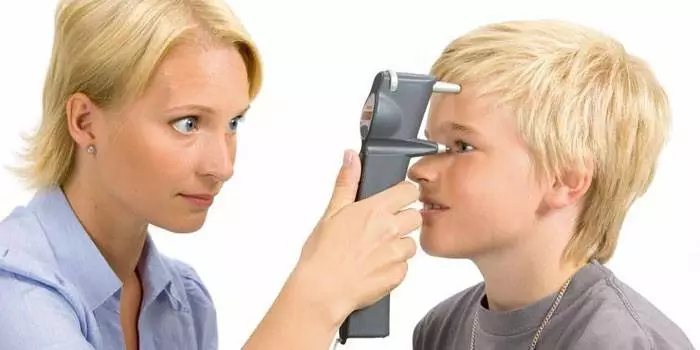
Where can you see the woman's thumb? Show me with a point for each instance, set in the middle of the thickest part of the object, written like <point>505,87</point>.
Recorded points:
<point>346,183</point>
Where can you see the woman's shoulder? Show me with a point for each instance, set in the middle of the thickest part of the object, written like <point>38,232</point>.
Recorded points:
<point>31,234</point>
<point>24,247</point>
<point>36,296</point>
<point>36,239</point>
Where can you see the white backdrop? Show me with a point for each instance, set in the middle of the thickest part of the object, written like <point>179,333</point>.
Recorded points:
<point>319,63</point>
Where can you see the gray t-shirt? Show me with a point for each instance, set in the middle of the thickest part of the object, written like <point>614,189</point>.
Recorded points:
<point>598,312</point>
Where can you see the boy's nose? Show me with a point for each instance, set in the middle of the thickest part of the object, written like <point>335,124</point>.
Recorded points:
<point>421,171</point>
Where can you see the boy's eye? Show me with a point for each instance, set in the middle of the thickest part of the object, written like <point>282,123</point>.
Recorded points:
<point>461,147</point>
<point>185,125</point>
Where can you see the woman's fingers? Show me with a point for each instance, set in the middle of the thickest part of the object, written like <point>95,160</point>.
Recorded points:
<point>407,221</point>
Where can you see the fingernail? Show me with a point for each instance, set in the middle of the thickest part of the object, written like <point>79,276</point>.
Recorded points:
<point>347,158</point>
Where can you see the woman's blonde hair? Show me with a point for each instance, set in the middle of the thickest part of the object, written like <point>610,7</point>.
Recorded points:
<point>108,50</point>
<point>578,97</point>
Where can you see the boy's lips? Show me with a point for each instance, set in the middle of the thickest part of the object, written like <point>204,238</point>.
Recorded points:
<point>431,204</point>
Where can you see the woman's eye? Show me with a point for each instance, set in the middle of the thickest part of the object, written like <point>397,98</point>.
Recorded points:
<point>233,123</point>
<point>185,125</point>
<point>461,147</point>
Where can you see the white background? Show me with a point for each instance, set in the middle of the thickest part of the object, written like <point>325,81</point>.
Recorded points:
<point>319,63</point>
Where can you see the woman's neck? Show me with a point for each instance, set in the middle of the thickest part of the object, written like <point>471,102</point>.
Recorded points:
<point>116,232</point>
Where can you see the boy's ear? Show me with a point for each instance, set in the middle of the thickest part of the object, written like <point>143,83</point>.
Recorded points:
<point>81,113</point>
<point>570,187</point>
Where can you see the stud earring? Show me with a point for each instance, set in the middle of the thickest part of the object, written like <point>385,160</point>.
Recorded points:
<point>91,149</point>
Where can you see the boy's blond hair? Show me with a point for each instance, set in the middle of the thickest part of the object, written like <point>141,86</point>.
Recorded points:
<point>578,96</point>
<point>109,49</point>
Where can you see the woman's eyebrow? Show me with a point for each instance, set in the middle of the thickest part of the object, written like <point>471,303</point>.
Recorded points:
<point>196,107</point>
<point>204,109</point>
<point>244,110</point>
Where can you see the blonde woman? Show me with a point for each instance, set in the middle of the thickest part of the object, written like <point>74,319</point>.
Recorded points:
<point>141,108</point>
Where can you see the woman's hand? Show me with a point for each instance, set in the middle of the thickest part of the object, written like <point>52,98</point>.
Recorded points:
<point>358,252</point>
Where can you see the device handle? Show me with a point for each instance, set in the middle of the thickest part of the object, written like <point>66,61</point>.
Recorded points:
<point>379,172</point>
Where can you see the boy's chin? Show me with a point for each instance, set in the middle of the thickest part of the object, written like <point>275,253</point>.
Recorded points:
<point>444,246</point>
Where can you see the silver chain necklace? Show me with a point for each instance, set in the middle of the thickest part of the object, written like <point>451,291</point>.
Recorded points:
<point>536,338</point>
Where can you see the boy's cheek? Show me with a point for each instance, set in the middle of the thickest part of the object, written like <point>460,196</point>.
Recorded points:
<point>457,235</point>
<point>491,202</point>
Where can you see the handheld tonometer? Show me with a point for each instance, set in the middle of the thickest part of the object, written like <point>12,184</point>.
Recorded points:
<point>391,118</point>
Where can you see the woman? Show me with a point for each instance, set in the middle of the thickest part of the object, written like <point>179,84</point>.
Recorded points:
<point>142,104</point>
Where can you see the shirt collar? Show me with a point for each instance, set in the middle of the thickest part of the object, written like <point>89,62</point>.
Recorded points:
<point>157,277</point>
<point>81,262</point>
<point>530,317</point>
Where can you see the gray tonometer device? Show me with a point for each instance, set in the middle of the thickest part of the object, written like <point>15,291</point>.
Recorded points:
<point>389,125</point>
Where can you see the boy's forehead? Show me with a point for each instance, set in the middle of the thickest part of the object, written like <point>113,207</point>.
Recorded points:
<point>446,110</point>
<point>465,113</point>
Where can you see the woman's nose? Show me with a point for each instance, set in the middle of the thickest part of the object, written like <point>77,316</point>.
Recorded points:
<point>219,157</point>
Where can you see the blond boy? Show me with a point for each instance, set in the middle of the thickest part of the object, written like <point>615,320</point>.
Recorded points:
<point>556,132</point>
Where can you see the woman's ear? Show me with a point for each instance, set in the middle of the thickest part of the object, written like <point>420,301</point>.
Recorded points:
<point>570,187</point>
<point>81,113</point>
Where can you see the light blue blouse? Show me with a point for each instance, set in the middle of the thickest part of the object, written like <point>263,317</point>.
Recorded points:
<point>57,291</point>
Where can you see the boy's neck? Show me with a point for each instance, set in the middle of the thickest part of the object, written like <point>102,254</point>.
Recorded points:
<point>524,275</point>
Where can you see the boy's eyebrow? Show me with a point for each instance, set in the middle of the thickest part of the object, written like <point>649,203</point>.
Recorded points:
<point>453,126</point>
<point>467,129</point>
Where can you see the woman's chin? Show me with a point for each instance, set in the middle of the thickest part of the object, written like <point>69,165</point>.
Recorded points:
<point>182,225</point>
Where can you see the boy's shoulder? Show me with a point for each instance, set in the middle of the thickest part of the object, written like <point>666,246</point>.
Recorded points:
<point>446,319</point>
<point>609,313</point>
<point>598,311</point>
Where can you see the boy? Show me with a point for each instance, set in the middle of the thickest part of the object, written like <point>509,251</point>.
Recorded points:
<point>555,133</point>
